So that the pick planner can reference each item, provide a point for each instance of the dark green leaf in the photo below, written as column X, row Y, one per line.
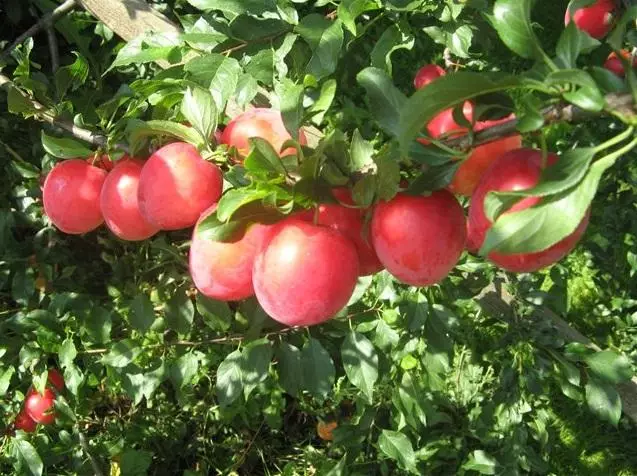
column 512, row 21
column 64, row 148
column 28, row 456
column 216, row 314
column 291, row 104
column 135, row 462
column 325, row 38
column 480, row 462
column 385, row 99
column 122, row 353
column 256, row 363
column 142, row 314
column 229, row 384
column 610, row 366
column 395, row 37
column 572, row 43
column 398, row 447
column 199, row 109
column 317, row 369
column 289, row 365
column 179, row 313
column 603, row 400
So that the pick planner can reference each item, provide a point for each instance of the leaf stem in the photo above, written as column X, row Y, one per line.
column 615, row 140
column 613, row 156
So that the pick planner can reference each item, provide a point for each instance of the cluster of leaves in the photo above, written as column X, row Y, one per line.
column 428, row 381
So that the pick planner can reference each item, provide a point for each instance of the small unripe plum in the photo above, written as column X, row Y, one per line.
column 24, row 422
column 596, row 19
column 516, row 170
column 71, row 196
column 176, row 186
column 614, row 64
column 223, row 270
column 259, row 122
column 427, row 74
column 419, row 239
column 120, row 205
column 40, row 406
column 305, row 274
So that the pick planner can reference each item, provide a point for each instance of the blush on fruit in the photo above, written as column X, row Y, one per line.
column 120, row 205
column 419, row 239
column 305, row 274
column 71, row 196
column 259, row 122
column 176, row 186
column 223, row 270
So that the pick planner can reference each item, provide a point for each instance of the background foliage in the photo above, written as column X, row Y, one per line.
column 423, row 381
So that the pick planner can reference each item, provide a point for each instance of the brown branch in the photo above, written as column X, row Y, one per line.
column 43, row 114
column 53, row 48
column 45, row 21
column 621, row 103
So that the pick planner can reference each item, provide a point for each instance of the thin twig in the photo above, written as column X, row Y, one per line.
column 45, row 21
column 85, row 448
column 53, row 48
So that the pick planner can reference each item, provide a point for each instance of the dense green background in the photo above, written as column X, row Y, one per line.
column 465, row 389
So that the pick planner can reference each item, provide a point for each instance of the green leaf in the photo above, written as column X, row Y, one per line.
column 142, row 315
column 180, row 312
column 211, row 228
column 5, row 380
column 435, row 178
column 610, row 366
column 148, row 48
column 289, row 366
column 229, row 384
column 411, row 396
column 386, row 101
column 67, row 353
column 122, row 353
column 566, row 173
column 512, row 21
column 617, row 36
column 71, row 76
column 216, row 314
column 199, row 109
column 138, row 131
column 256, row 363
column 291, row 104
column 248, row 28
column 349, row 10
column 480, row 462
column 361, row 152
column 28, row 457
column 447, row 92
column 572, row 43
column 394, row 38
column 586, row 94
column 233, row 8
column 63, row 147
column 18, row 103
column 360, row 362
column 339, row 469
column 263, row 161
column 540, row 227
column 236, row 198
column 135, row 462
column 317, row 369
column 325, row 38
column 603, row 400
column 184, row 369
column 324, row 101
column 217, row 73
column 398, row 447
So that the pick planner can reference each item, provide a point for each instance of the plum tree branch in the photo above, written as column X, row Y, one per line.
column 44, row 22
column 622, row 103
column 43, row 114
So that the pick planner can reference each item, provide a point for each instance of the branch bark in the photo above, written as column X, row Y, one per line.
column 45, row 21
column 43, row 114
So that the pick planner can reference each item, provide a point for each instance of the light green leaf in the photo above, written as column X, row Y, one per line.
column 398, row 447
